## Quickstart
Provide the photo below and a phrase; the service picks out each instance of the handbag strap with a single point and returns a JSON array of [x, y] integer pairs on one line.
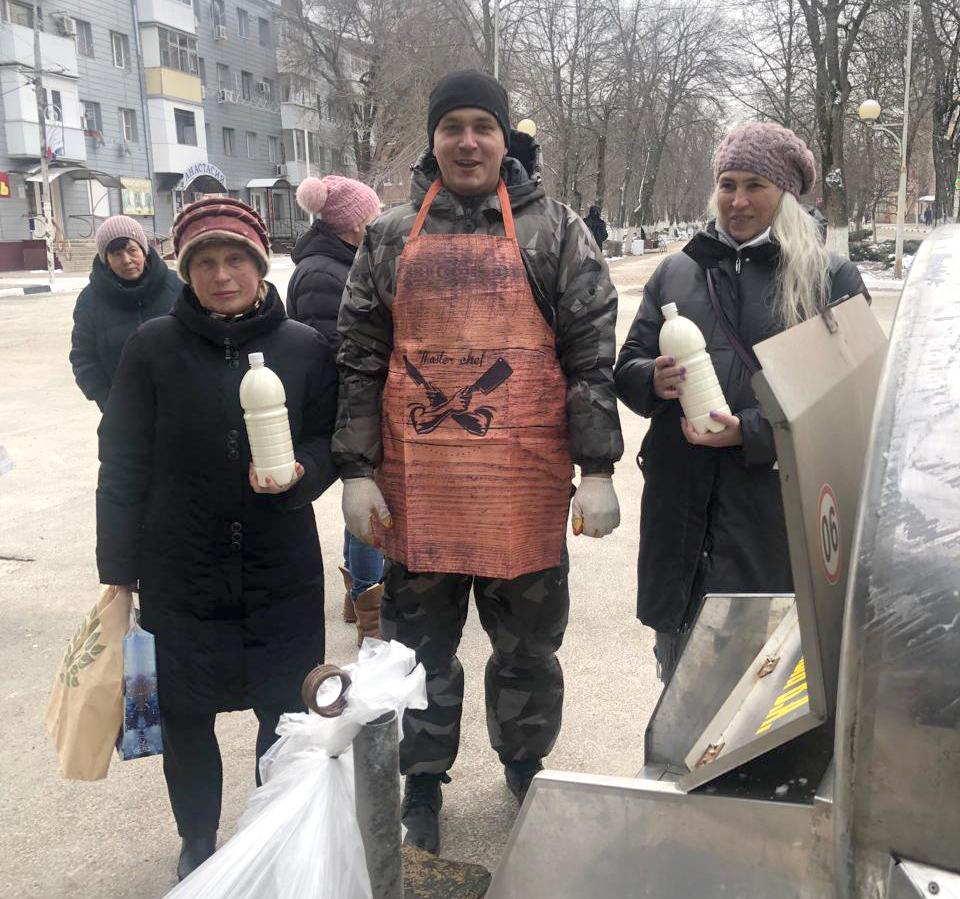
[[747, 356]]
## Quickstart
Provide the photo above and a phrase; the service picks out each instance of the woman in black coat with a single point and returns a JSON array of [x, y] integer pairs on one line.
[[230, 574], [344, 207], [711, 517], [129, 284], [597, 226]]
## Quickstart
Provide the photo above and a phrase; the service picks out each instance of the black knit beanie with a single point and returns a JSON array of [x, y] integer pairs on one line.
[[468, 88]]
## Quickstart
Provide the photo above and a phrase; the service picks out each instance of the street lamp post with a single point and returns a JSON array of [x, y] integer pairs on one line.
[[869, 112]]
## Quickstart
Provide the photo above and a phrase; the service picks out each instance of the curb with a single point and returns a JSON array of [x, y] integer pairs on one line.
[[21, 291]]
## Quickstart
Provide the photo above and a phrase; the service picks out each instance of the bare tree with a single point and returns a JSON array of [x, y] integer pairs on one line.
[[833, 27], [941, 25]]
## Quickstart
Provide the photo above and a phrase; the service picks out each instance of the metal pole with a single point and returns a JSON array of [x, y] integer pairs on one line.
[[376, 760], [42, 118], [496, 39], [902, 189]]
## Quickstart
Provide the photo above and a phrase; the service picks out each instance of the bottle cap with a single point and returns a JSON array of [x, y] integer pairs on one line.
[[255, 360], [669, 310]]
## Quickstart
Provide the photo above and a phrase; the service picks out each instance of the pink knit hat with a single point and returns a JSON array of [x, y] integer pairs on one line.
[[342, 203], [769, 150], [119, 226]]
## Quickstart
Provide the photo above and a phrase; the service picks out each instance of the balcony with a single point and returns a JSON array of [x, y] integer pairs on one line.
[[171, 13], [173, 83], [23, 140], [299, 116], [59, 54]]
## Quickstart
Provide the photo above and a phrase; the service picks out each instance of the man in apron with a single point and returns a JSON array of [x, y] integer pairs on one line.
[[475, 370]]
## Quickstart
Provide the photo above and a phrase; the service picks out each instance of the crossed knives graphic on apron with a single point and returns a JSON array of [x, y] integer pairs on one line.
[[476, 463]]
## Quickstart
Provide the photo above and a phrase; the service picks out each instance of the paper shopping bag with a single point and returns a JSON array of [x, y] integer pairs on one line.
[[141, 735], [85, 713]]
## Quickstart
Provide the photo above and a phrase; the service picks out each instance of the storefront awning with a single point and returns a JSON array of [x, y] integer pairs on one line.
[[75, 173], [262, 183], [927, 199]]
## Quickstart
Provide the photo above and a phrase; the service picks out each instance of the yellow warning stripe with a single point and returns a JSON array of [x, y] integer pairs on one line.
[[793, 697]]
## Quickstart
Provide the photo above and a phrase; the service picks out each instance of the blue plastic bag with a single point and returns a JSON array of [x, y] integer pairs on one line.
[[140, 735]]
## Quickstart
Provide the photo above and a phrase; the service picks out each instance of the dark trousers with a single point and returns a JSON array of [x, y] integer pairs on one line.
[[525, 619], [194, 772]]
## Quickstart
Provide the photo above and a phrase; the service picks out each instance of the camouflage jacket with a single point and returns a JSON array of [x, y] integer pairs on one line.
[[570, 283]]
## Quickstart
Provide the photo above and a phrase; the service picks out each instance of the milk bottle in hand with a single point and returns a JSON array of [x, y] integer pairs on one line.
[[700, 392], [268, 427]]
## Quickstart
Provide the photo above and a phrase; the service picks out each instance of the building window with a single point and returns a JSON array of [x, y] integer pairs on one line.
[[246, 85], [313, 145], [321, 159], [128, 125], [273, 149], [186, 127], [121, 50], [251, 145], [92, 118], [267, 88], [243, 23], [299, 146], [264, 25], [20, 14], [228, 141], [223, 76], [178, 51], [53, 106], [84, 38]]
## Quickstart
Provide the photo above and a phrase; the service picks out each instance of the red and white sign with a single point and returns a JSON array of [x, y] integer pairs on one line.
[[828, 530]]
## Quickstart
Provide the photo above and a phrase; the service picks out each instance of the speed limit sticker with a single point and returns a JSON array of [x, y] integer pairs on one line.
[[828, 517]]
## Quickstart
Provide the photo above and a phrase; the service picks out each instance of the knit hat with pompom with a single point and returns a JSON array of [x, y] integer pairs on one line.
[[341, 203]]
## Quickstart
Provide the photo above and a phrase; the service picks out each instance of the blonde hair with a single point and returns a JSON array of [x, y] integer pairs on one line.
[[802, 281]]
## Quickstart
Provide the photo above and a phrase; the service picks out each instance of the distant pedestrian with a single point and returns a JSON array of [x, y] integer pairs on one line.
[[597, 226], [711, 518], [129, 284], [343, 207], [229, 572], [928, 216]]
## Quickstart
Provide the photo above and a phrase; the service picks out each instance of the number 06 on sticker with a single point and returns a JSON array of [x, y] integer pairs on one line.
[[828, 527]]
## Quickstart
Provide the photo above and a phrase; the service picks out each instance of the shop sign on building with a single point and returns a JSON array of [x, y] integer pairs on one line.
[[196, 170], [4, 185], [137, 196]]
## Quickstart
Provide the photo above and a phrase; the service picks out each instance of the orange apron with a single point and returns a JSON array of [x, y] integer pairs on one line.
[[476, 461]]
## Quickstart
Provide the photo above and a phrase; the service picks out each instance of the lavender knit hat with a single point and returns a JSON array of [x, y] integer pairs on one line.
[[769, 150], [119, 226], [341, 203]]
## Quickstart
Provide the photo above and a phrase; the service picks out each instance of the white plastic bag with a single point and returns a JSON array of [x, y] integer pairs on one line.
[[298, 836]]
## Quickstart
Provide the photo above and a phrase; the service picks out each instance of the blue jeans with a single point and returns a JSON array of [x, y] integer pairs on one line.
[[364, 563]]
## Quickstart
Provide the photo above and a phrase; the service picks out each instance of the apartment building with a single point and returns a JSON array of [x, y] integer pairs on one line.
[[148, 105]]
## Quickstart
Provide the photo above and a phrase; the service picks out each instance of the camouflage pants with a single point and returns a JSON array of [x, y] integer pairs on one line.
[[524, 618]]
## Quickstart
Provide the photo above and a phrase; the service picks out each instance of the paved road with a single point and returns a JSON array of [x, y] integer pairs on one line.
[[116, 838]]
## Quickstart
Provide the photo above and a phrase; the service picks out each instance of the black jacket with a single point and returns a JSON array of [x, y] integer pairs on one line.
[[597, 226], [108, 311], [231, 582], [316, 286], [711, 520]]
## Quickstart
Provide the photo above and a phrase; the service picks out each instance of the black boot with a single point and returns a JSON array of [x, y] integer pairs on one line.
[[519, 775], [420, 812], [193, 853]]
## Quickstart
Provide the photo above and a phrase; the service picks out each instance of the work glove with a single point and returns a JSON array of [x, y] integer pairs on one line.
[[596, 511], [362, 500]]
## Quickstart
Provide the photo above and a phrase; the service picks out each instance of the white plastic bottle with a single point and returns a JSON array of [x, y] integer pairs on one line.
[[700, 393], [268, 426]]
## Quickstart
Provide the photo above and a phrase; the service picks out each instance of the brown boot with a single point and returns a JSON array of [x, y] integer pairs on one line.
[[367, 605], [349, 612]]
